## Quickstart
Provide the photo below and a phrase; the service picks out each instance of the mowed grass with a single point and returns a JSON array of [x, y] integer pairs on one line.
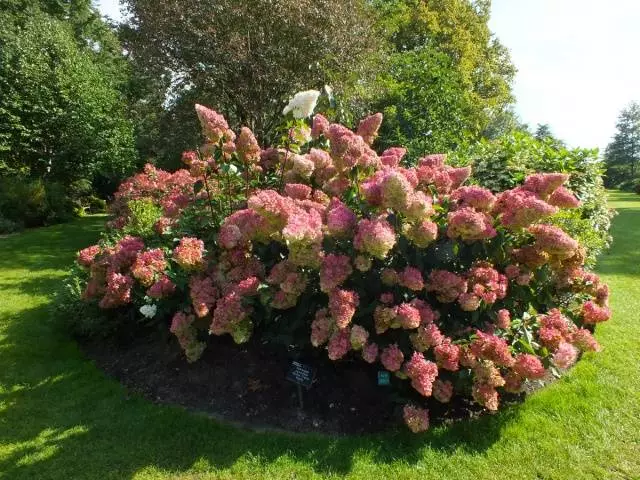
[[61, 418]]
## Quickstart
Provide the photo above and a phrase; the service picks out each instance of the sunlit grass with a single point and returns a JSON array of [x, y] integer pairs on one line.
[[60, 418]]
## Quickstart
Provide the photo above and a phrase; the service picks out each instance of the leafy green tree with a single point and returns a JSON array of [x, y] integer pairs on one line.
[[622, 155], [62, 114], [448, 80], [243, 58]]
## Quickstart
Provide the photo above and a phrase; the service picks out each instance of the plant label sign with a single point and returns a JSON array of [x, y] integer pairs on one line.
[[384, 378], [300, 374]]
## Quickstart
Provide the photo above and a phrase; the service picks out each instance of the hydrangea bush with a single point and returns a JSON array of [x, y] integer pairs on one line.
[[324, 242]]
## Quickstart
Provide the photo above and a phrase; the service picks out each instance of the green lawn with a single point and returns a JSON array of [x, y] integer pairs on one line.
[[61, 418]]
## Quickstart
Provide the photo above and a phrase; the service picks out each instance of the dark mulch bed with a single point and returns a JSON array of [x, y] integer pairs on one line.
[[247, 385]]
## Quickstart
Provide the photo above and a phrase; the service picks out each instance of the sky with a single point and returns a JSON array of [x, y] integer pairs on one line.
[[577, 62]]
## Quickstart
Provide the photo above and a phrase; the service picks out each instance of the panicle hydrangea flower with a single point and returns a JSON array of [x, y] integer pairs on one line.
[[467, 358], [189, 157], [478, 198], [320, 126], [162, 288], [486, 373], [487, 283], [427, 314], [335, 269], [189, 253], [422, 233], [530, 256], [422, 373], [203, 295], [362, 263], [419, 208], [469, 302], [434, 160], [375, 237], [369, 126], [565, 355], [125, 253], [469, 225], [564, 198], [486, 395], [346, 147], [214, 125], [442, 390], [554, 241], [411, 278], [337, 185], [389, 277], [491, 347], [544, 184], [593, 313], [299, 135], [416, 418], [602, 295], [298, 191], [391, 156], [359, 337], [503, 319], [118, 290], [426, 336], [396, 191], [321, 328], [520, 208], [342, 305], [370, 352], [301, 167], [447, 285], [228, 314], [392, 358], [247, 287], [408, 316], [583, 339], [87, 255], [272, 207], [384, 318], [163, 225], [458, 175], [340, 219], [302, 104], [554, 329], [303, 228], [339, 344], [447, 355], [529, 366], [513, 382], [182, 328], [282, 300], [147, 265], [148, 311]]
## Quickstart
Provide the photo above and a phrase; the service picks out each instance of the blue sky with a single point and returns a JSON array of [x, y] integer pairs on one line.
[[578, 62]]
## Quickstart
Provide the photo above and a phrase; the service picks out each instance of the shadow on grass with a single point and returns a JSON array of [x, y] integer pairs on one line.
[[62, 413], [65, 419]]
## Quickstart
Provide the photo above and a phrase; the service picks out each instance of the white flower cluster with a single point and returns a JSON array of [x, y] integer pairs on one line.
[[302, 104]]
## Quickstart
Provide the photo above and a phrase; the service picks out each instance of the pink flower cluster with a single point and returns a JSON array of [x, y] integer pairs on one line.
[[403, 266]]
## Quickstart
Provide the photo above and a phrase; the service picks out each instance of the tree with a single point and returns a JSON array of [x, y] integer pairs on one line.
[[622, 155], [446, 61], [245, 58], [62, 114]]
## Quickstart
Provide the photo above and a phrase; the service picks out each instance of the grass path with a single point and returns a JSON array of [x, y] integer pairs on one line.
[[60, 418]]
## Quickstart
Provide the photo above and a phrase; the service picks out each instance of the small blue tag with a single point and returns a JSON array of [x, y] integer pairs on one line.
[[384, 378]]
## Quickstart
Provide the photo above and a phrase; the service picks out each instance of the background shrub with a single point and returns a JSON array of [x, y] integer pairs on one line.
[[504, 163]]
